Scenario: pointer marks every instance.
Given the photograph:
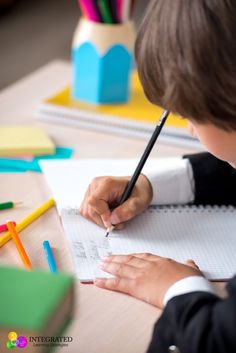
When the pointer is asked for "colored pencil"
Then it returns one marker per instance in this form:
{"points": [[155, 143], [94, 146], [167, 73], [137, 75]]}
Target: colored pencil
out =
{"points": [[28, 220], [8, 204], [105, 11], [83, 9], [50, 257], [90, 10], [113, 10], [119, 4], [15, 236], [3, 227], [125, 10]]}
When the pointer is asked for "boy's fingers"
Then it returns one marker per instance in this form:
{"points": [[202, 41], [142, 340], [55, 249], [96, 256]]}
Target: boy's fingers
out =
{"points": [[95, 217], [91, 215], [101, 207], [126, 259], [98, 204], [148, 256], [119, 269], [120, 226], [108, 189], [191, 263], [101, 199], [126, 211], [116, 284]]}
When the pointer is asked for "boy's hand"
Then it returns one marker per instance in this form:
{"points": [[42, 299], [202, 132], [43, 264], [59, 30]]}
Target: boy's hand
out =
{"points": [[144, 276], [103, 195]]}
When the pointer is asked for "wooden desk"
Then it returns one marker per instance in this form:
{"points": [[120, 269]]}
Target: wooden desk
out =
{"points": [[104, 321]]}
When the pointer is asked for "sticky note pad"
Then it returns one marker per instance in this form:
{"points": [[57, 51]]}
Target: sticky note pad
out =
{"points": [[34, 304], [15, 165], [18, 140]]}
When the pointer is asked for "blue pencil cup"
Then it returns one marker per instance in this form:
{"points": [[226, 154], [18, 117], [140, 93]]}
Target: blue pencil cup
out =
{"points": [[102, 60]]}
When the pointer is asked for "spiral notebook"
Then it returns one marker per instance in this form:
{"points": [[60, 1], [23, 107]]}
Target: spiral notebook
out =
{"points": [[204, 234], [136, 118]]}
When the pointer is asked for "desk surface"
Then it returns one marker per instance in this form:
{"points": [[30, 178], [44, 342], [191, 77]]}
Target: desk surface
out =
{"points": [[104, 321]]}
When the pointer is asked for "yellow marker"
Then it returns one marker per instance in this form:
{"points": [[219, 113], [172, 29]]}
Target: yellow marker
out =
{"points": [[28, 220]]}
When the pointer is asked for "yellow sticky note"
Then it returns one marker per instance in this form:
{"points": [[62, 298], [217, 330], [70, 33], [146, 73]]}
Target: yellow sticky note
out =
{"points": [[18, 140]]}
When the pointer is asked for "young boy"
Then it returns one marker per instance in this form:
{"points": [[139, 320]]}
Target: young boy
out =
{"points": [[186, 57]]}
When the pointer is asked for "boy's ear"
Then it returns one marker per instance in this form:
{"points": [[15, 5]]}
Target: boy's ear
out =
{"points": [[191, 129]]}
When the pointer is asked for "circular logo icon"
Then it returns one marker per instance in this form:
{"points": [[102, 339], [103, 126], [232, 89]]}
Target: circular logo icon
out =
{"points": [[11, 344], [21, 342], [12, 336]]}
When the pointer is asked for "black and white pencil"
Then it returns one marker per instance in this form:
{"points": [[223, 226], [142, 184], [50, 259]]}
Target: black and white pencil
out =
{"points": [[129, 188]]}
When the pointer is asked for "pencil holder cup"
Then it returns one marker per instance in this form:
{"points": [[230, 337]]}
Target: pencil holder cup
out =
{"points": [[102, 60]]}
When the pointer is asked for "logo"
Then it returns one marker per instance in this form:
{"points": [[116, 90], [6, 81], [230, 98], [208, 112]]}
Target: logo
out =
{"points": [[15, 341]]}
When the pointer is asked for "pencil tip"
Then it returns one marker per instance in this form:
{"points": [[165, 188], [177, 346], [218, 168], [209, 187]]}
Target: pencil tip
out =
{"points": [[17, 203], [107, 233]]}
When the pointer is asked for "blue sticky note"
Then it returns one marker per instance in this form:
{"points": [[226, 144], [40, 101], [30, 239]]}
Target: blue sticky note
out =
{"points": [[20, 166], [13, 165]]}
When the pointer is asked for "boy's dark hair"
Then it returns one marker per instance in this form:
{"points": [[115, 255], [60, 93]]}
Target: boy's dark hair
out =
{"points": [[186, 58]]}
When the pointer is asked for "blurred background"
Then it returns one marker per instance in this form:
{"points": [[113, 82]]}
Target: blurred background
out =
{"points": [[33, 33]]}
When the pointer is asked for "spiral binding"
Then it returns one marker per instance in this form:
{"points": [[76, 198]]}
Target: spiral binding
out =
{"points": [[192, 208], [70, 211]]}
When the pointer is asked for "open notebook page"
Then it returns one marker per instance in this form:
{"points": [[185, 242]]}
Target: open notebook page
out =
{"points": [[206, 235]]}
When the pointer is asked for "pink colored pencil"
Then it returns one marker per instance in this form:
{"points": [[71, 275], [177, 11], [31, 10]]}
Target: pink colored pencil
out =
{"points": [[89, 10], [3, 227], [126, 10], [83, 8], [119, 4]]}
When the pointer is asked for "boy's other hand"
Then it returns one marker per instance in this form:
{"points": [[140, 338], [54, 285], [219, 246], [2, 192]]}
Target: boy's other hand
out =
{"points": [[102, 197], [144, 276]]}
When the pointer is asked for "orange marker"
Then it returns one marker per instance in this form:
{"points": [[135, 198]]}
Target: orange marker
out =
{"points": [[15, 236]]}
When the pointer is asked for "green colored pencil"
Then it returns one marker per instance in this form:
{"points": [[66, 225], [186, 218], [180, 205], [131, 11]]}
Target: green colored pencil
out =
{"points": [[9, 204], [105, 11]]}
